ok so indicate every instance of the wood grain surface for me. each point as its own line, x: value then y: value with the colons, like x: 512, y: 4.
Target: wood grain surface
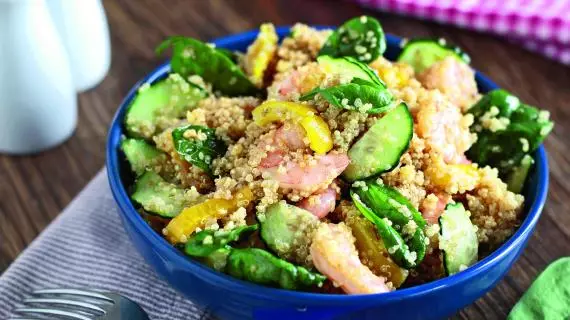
x: 34, y: 189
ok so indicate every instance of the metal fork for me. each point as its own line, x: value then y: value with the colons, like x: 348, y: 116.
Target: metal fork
x: 80, y: 305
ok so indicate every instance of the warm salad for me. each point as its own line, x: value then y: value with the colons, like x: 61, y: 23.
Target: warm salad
x: 313, y: 163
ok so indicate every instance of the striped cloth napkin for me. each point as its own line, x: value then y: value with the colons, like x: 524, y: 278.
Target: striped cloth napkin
x: 86, y: 247
x: 541, y: 26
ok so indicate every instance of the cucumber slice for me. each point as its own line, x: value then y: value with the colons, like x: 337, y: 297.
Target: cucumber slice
x: 141, y: 155
x: 458, y: 239
x: 160, y: 103
x: 157, y: 196
x: 517, y: 176
x: 423, y: 53
x: 284, y: 229
x: 350, y: 67
x: 380, y: 148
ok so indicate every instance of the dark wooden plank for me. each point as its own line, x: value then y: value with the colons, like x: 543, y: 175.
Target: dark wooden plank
x: 35, y: 188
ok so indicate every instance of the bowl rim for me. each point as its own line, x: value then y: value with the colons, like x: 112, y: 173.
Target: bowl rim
x: 254, y: 290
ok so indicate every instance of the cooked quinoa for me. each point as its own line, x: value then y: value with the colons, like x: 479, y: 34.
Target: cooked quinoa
x: 282, y: 161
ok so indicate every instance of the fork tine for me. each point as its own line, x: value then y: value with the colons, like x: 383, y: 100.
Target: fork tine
x: 65, y: 303
x: 73, y: 292
x: 52, y: 312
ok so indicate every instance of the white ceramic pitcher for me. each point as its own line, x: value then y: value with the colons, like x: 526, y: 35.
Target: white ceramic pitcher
x: 38, y: 106
x: 83, y: 28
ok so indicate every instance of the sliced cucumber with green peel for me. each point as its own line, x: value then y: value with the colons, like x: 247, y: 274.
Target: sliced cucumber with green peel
x: 157, y: 196
x: 517, y: 177
x: 141, y: 155
x: 350, y: 67
x: 458, y: 239
x: 380, y: 148
x: 166, y: 100
x: 284, y: 229
x: 423, y: 53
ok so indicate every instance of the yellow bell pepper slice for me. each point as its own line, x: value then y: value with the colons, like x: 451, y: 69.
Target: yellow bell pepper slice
x: 442, y: 177
x: 272, y: 111
x: 184, y: 224
x: 372, y: 251
x: 260, y: 53
x: 316, y: 129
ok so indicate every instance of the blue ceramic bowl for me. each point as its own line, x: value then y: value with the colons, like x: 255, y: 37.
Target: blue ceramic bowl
x: 230, y: 298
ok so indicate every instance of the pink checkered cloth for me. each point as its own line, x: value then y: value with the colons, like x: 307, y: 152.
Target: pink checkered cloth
x: 541, y: 26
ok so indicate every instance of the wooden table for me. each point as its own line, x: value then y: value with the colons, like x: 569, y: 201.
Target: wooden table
x: 34, y: 189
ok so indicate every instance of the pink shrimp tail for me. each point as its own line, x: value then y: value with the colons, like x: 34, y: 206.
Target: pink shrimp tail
x: 321, y: 203
x: 334, y: 255
x: 432, y: 214
x: 289, y: 84
x: 310, y: 176
x: 291, y: 136
x: 273, y: 159
x: 288, y: 137
x: 463, y: 160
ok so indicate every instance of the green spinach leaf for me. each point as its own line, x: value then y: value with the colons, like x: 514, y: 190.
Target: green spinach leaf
x: 218, y: 259
x: 191, y: 56
x: 232, y: 55
x: 361, y: 38
x: 388, y: 204
x: 198, y: 148
x: 504, y: 147
x: 505, y: 102
x: 204, y: 243
x: 358, y: 95
x: 260, y: 266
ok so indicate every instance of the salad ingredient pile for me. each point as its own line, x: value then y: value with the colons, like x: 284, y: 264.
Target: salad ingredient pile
x: 314, y: 163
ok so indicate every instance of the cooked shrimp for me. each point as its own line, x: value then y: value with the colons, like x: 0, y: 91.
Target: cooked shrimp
x: 287, y: 137
x: 297, y: 82
x: 334, y: 254
x: 289, y: 84
x: 291, y: 135
x: 321, y: 203
x: 309, y: 177
x: 433, y: 208
x: 316, y: 173
x: 453, y: 78
x: 445, y: 129
x: 273, y: 159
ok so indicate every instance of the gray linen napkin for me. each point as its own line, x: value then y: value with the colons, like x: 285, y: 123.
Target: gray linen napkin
x: 86, y: 247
